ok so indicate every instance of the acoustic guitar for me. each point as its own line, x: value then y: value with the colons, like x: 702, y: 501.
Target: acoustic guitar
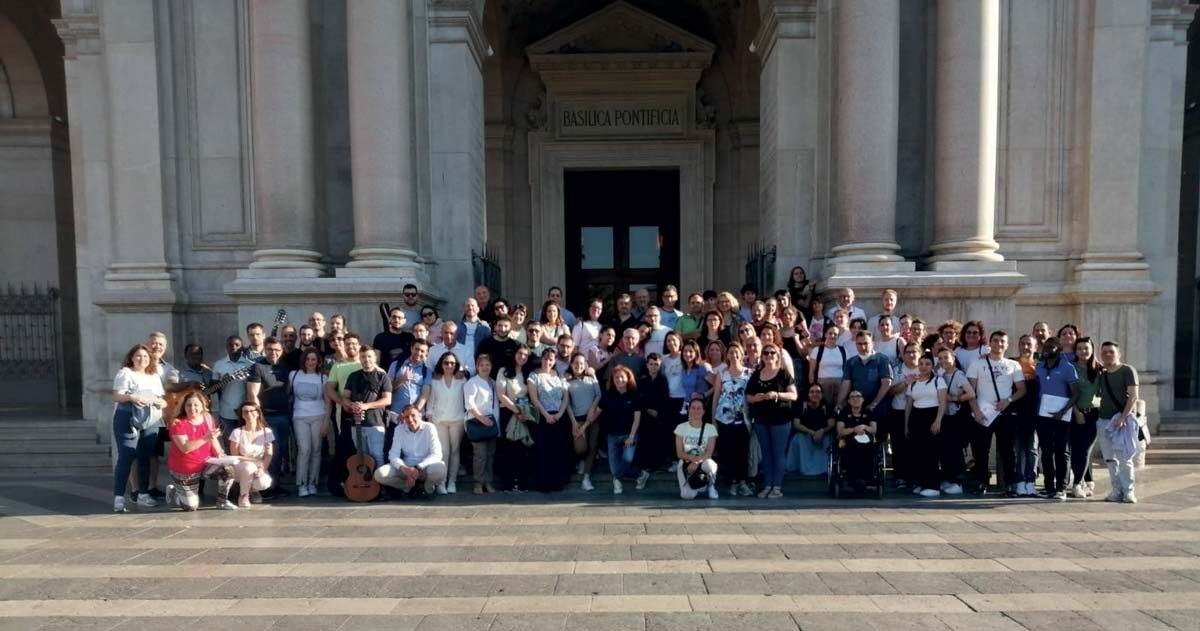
x: 173, y: 409
x: 360, y: 484
x: 280, y: 320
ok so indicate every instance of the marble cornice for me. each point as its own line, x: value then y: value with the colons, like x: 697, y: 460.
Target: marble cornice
x: 784, y: 19
x: 459, y: 21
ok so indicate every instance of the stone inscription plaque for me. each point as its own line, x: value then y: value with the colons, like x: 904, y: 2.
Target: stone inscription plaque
x: 597, y: 119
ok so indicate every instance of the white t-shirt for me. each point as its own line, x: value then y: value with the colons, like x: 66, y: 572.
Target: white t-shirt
x: 1006, y: 371
x: 902, y: 371
x: 854, y: 312
x: 691, y: 437
x: 307, y: 393
x: 924, y: 392
x: 129, y: 381
x: 892, y: 349
x: 967, y: 357
x: 832, y: 361
x: 252, y: 446
x: 672, y: 367
x: 873, y: 324
x: 954, y: 388
x: 654, y: 342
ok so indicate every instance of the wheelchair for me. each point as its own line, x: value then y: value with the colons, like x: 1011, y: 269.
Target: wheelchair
x: 838, y: 479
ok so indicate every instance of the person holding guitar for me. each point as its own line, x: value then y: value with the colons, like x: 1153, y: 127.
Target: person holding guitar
x: 232, y: 393
x: 365, y: 400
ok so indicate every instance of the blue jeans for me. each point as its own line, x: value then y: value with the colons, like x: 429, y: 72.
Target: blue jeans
x: 1024, y: 450
x: 374, y: 438
x: 132, y: 445
x: 773, y: 442
x: 620, y: 457
x: 281, y: 426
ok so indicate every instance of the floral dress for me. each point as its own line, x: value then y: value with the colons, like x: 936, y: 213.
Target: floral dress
x: 731, y: 407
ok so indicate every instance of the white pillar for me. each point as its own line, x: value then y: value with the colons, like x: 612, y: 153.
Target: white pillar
x: 968, y: 76
x: 379, y: 48
x: 866, y: 107
x: 282, y: 128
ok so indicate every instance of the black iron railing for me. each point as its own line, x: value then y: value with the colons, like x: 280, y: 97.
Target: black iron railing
x: 486, y: 268
x: 760, y: 268
x: 29, y: 345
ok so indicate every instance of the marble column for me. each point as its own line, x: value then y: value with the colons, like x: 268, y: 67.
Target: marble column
x: 282, y: 129
x: 786, y: 44
x: 965, y: 121
x: 866, y: 107
x: 379, y: 46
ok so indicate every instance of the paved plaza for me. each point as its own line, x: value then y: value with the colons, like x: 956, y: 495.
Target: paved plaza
x: 593, y: 561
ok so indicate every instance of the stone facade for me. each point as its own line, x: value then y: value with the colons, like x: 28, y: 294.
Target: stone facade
x: 1000, y: 159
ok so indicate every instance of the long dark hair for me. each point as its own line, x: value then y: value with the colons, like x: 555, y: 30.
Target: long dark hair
x: 1093, y: 366
x: 791, y: 282
x: 437, y: 369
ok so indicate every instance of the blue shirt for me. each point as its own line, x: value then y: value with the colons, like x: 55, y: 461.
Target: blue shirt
x: 668, y: 318
x: 408, y: 392
x: 694, y: 381
x: 865, y: 376
x: 1057, y: 381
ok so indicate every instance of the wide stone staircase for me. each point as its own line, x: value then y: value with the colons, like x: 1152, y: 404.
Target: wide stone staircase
x: 1177, y: 440
x: 40, y: 443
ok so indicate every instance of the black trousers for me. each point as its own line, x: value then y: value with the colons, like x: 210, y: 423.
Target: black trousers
x: 1052, y: 438
x: 512, y: 458
x: 924, y: 448
x: 891, y: 430
x: 1082, y: 441
x: 733, y: 451
x: 981, y: 446
x: 950, y: 443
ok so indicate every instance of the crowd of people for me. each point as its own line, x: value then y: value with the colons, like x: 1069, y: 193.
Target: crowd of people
x: 765, y: 385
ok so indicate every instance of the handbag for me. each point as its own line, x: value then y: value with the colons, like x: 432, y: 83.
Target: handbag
x: 477, y: 431
x: 144, y: 417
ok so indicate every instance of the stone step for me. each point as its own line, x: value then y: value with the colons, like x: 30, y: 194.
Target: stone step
x: 58, y: 446
x: 37, y: 423
x: 1175, y: 442
x: 1172, y: 456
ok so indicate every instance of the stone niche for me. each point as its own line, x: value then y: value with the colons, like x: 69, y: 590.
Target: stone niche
x: 621, y: 93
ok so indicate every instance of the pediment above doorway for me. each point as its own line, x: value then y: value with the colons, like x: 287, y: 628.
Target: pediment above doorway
x: 620, y: 28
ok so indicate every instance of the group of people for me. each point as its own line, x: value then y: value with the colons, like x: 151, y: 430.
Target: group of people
x: 765, y: 385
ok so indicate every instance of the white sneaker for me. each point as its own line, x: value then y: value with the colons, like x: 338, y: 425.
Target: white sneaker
x: 642, y: 480
x: 674, y: 467
x: 226, y: 505
x: 744, y: 490
x: 712, y: 492
x: 312, y: 489
x: 1115, y: 496
x: 943, y: 485
x: 441, y: 488
x: 618, y: 488
x: 119, y: 504
x: 952, y: 489
x: 1089, y: 489
x: 145, y: 501
x: 302, y: 490
x: 1077, y: 491
x: 1026, y: 489
x: 587, y: 484
x: 170, y: 498
x: 916, y: 490
x: 1129, y: 498
x: 451, y: 487
x: 733, y: 489
x: 929, y: 493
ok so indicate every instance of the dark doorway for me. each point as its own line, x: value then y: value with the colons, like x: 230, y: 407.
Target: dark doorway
x: 1187, y: 305
x: 622, y: 234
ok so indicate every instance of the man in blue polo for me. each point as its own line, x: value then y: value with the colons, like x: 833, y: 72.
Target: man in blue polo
x: 868, y: 372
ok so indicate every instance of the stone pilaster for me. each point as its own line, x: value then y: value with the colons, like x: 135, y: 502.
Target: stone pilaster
x: 379, y: 45
x: 282, y: 128
x: 788, y: 109
x: 866, y: 110
x: 968, y: 67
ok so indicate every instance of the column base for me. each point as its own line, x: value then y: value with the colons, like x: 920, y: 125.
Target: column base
x: 972, y: 266
x: 973, y: 250
x: 867, y: 258
x: 284, y: 263
x: 391, y: 263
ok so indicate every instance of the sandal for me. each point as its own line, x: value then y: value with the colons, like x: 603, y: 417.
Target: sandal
x: 244, y: 501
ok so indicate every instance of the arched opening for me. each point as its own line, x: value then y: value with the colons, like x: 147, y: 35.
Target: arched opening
x: 39, y: 357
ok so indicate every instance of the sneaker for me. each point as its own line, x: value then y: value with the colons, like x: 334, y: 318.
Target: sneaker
x: 733, y: 489
x: 618, y: 488
x: 766, y: 490
x: 775, y: 493
x: 145, y: 501
x: 1089, y: 489
x: 579, y: 468
x: 587, y: 484
x: 244, y: 502
x: 1115, y: 496
x: 226, y: 505
x: 441, y: 488
x: 712, y: 492
x: 256, y: 497
x: 312, y: 489
x: 643, y: 479
x: 1060, y: 495
x: 1078, y: 491
x: 1030, y: 490
x: 169, y: 496
x: 916, y: 490
x: 951, y: 488
x: 674, y: 467
x: 929, y: 493
x: 744, y: 490
x: 1129, y: 498
x: 119, y: 504
x: 302, y: 490
x: 901, y: 483
x: 157, y: 494
x: 451, y: 487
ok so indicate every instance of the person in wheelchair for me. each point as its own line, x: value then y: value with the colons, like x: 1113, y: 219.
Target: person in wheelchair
x: 856, y: 442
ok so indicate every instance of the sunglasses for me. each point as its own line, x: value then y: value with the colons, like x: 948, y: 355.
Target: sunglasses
x: 449, y: 363
x: 409, y: 295
x: 427, y: 315
x: 769, y: 353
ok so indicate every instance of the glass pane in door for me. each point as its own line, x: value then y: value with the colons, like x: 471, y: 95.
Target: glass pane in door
x: 597, y: 247
x: 645, y: 244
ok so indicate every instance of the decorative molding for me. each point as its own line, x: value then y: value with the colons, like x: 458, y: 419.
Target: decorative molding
x: 1170, y: 19
x: 706, y: 114
x: 784, y: 19
x: 536, y: 115
x: 459, y: 22
x: 79, y: 28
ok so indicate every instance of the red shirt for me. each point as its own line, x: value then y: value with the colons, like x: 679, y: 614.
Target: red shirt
x: 191, y: 462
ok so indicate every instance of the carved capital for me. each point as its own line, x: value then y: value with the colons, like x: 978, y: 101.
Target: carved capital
x: 784, y: 19
x: 79, y: 28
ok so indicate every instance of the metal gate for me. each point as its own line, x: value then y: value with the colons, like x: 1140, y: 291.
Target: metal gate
x: 760, y: 269
x: 31, y: 368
